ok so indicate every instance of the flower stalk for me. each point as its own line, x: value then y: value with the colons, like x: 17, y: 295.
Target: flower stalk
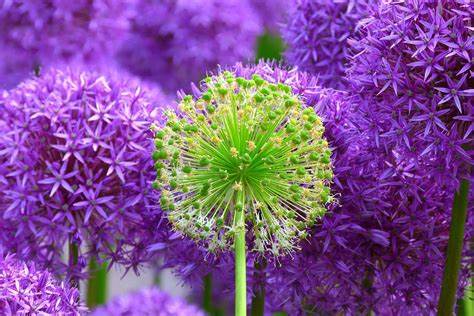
x: 240, y: 274
x: 447, y: 297
x: 207, y: 295
x: 258, y: 299
x: 258, y: 303
x: 73, y: 262
x: 97, y: 284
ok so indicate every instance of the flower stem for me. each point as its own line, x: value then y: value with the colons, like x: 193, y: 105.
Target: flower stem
x: 258, y: 303
x: 466, y: 305
x: 157, y: 279
x: 258, y: 300
x: 207, y: 297
x: 73, y: 260
x: 240, y: 263
x: 97, y: 284
x: 453, y: 258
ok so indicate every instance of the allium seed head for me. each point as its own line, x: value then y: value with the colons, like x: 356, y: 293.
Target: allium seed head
x: 243, y: 148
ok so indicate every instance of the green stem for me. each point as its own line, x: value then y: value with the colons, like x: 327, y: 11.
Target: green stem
x: 466, y: 305
x: 469, y: 299
x: 455, y: 243
x: 207, y: 297
x: 157, y: 279
x: 37, y: 70
x: 258, y: 300
x: 258, y: 303
x: 269, y: 46
x: 240, y: 263
x: 97, y: 284
x: 73, y: 260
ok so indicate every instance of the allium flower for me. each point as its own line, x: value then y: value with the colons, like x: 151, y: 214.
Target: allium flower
x: 151, y: 301
x: 316, y: 33
x: 75, y: 168
x: 38, y: 33
x: 414, y: 58
x: 245, y: 152
x: 24, y: 290
x: 413, y: 62
x: 383, y: 250
x: 176, y: 42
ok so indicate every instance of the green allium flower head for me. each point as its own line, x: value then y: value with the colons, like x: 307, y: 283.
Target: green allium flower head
x: 245, y: 148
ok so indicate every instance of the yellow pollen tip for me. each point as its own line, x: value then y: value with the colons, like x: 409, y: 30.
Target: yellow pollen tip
x: 237, y: 186
x: 251, y: 145
x: 234, y: 152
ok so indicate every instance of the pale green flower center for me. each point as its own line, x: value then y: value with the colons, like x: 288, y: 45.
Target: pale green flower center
x: 243, y: 145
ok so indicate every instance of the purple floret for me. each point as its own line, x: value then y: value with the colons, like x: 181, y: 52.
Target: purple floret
x: 25, y: 290
x: 76, y: 167
x: 316, y: 33
x: 148, y: 302
x: 40, y: 33
x: 177, y: 42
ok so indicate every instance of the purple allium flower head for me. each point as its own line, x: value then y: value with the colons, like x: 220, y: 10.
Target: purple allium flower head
x: 75, y: 167
x: 150, y: 301
x: 381, y: 249
x: 415, y: 60
x: 176, y: 42
x: 39, y: 33
x: 25, y: 290
x: 316, y: 33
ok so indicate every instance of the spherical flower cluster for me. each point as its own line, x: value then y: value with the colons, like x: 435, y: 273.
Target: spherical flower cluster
x: 145, y: 302
x: 38, y: 33
x: 381, y: 249
x: 24, y: 290
x: 317, y: 32
x: 414, y: 58
x: 176, y: 42
x: 75, y: 168
x: 245, y: 153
